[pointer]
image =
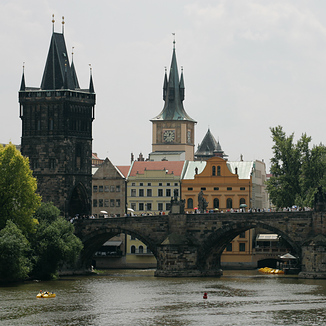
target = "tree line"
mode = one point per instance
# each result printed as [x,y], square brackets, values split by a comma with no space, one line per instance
[35,241]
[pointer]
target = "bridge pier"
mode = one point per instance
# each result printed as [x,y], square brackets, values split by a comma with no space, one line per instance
[177,258]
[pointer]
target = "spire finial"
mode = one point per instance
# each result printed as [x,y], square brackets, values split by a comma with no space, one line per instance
[63,24]
[72,53]
[53,21]
[23,66]
[173,40]
[90,68]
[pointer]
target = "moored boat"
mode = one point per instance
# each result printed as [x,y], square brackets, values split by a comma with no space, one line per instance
[46,294]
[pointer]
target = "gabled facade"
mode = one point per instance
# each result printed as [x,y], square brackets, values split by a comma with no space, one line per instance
[109,191]
[173,129]
[57,132]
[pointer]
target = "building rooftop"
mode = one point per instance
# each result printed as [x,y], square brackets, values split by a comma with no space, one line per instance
[171,167]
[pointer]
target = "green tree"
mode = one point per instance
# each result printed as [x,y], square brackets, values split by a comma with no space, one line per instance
[14,250]
[18,198]
[54,243]
[297,171]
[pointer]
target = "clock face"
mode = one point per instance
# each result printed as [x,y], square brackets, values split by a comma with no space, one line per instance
[169,135]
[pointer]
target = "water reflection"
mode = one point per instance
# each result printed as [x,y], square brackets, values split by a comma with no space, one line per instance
[138,298]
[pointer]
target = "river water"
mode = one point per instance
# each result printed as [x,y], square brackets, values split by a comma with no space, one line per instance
[136,297]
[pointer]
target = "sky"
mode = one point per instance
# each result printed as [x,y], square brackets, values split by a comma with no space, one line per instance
[248,66]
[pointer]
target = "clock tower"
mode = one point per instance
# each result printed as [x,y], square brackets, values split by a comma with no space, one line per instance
[173,129]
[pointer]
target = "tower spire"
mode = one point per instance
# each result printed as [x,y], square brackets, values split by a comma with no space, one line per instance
[91,85]
[53,21]
[22,84]
[63,24]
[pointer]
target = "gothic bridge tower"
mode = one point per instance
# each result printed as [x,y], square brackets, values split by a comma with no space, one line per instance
[57,132]
[173,129]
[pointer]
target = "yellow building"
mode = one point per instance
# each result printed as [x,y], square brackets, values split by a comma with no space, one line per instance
[150,186]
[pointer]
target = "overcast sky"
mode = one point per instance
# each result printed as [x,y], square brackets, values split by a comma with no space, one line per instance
[248,66]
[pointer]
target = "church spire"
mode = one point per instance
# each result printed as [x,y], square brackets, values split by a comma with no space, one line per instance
[173,93]
[73,70]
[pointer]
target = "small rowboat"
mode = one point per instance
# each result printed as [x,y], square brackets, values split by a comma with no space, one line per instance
[46,294]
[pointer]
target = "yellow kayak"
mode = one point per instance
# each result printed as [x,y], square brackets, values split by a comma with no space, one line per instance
[46,295]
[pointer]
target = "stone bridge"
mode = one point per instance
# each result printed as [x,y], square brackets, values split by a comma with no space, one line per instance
[192,244]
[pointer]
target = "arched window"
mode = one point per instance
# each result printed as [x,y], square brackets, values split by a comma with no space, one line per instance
[219,170]
[213,170]
[133,249]
[242,201]
[140,249]
[216,203]
[229,203]
[190,203]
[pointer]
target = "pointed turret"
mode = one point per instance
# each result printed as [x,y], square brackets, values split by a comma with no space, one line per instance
[73,73]
[57,60]
[22,84]
[209,147]
[173,95]
[182,87]
[165,85]
[91,85]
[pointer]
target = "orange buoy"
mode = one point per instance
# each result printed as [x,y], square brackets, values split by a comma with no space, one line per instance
[205,296]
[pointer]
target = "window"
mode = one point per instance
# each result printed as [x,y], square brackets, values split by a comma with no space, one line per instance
[141,192]
[133,184]
[229,188]
[203,188]
[218,171]
[50,124]
[111,202]
[117,188]
[242,235]
[213,170]
[149,206]
[133,206]
[106,188]
[117,203]
[94,202]
[242,201]
[216,188]
[190,188]
[133,192]
[149,192]
[149,184]
[229,247]
[160,206]
[216,203]
[106,203]
[94,188]
[168,192]
[112,188]
[100,188]
[141,184]
[160,184]
[141,206]
[242,188]
[160,192]
[229,203]
[100,203]
[242,247]
[140,249]
[132,249]
[168,184]
[176,191]
[167,206]
[52,163]
[176,184]
[190,203]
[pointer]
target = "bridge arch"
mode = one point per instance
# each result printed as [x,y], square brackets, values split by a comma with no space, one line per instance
[209,253]
[95,239]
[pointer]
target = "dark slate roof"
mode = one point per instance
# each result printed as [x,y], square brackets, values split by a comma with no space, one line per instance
[209,147]
[173,95]
[22,84]
[57,72]
[74,74]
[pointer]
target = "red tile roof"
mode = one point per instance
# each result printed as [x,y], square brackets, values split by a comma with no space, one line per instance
[170,166]
[124,169]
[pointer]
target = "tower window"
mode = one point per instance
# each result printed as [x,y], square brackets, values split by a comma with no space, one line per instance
[213,170]
[229,203]
[190,203]
[218,170]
